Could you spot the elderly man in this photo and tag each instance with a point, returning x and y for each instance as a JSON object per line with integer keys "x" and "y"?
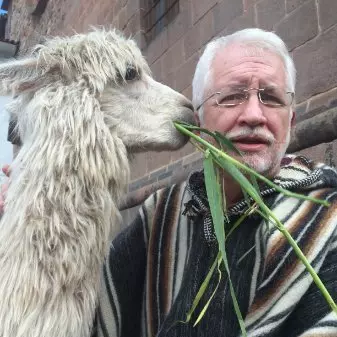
{"x": 244, "y": 88}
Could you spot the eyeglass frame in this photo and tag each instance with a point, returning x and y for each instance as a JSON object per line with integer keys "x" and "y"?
{"x": 246, "y": 98}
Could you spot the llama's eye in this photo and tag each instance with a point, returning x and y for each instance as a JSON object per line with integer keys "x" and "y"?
{"x": 131, "y": 74}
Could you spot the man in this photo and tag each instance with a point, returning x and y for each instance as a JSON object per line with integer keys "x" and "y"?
{"x": 244, "y": 88}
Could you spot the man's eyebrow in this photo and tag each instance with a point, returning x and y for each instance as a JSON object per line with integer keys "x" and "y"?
{"x": 238, "y": 81}
{"x": 238, "y": 84}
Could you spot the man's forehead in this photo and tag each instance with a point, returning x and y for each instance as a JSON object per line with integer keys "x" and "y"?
{"x": 267, "y": 81}
{"x": 237, "y": 51}
{"x": 228, "y": 61}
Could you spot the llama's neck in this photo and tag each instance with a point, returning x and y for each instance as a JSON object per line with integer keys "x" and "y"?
{"x": 55, "y": 233}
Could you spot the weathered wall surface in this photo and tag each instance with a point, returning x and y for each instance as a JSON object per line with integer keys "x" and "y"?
{"x": 309, "y": 27}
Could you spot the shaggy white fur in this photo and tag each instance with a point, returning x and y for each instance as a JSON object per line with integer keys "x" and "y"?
{"x": 82, "y": 103}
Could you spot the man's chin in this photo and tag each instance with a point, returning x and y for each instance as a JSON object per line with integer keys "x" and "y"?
{"x": 257, "y": 162}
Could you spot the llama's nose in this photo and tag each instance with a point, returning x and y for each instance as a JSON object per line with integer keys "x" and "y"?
{"x": 188, "y": 104}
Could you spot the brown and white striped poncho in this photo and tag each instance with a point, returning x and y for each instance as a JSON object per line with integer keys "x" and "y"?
{"x": 156, "y": 266}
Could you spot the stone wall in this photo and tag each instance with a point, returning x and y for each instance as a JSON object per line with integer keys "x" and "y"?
{"x": 309, "y": 27}
{"x": 64, "y": 17}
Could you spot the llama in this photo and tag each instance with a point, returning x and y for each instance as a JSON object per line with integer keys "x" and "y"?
{"x": 83, "y": 104}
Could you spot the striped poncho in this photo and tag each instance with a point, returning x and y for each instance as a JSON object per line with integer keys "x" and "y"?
{"x": 156, "y": 266}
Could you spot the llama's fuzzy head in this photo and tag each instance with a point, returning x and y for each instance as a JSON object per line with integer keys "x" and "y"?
{"x": 108, "y": 73}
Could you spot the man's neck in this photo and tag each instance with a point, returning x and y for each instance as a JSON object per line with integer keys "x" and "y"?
{"x": 232, "y": 190}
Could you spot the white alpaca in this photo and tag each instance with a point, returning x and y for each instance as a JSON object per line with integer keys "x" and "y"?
{"x": 83, "y": 104}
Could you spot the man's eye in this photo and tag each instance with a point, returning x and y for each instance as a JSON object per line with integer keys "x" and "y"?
{"x": 271, "y": 98}
{"x": 131, "y": 74}
{"x": 231, "y": 98}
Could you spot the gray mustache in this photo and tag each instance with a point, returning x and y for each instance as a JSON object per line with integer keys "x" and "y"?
{"x": 249, "y": 132}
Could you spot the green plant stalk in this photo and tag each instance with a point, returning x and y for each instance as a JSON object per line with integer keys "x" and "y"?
{"x": 265, "y": 209}
{"x": 302, "y": 257}
{"x": 215, "y": 201}
{"x": 246, "y": 168}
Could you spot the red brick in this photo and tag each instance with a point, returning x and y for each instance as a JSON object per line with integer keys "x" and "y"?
{"x": 224, "y": 12}
{"x": 269, "y": 13}
{"x": 317, "y": 65}
{"x": 206, "y": 28}
{"x": 200, "y": 8}
{"x": 180, "y": 25}
{"x": 192, "y": 157}
{"x": 138, "y": 166}
{"x": 115, "y": 22}
{"x": 325, "y": 153}
{"x": 186, "y": 150}
{"x": 109, "y": 15}
{"x": 322, "y": 102}
{"x": 192, "y": 41}
{"x": 316, "y": 153}
{"x": 247, "y": 20}
{"x": 155, "y": 160}
{"x": 170, "y": 80}
{"x": 133, "y": 25}
{"x": 188, "y": 92}
{"x": 122, "y": 20}
{"x": 327, "y": 10}
{"x": 156, "y": 69}
{"x": 185, "y": 73}
{"x": 140, "y": 39}
{"x": 119, "y": 5}
{"x": 299, "y": 26}
{"x": 132, "y": 7}
{"x": 300, "y": 111}
{"x": 323, "y": 126}
{"x": 157, "y": 47}
{"x": 293, "y": 4}
{"x": 173, "y": 57}
{"x": 199, "y": 35}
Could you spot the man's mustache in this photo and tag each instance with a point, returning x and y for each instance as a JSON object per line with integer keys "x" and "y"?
{"x": 259, "y": 133}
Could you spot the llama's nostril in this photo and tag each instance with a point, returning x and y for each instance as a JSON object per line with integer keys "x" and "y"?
{"x": 188, "y": 105}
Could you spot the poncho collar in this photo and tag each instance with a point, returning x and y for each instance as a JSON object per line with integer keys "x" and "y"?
{"x": 297, "y": 174}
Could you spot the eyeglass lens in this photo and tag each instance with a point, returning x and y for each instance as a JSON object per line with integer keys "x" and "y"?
{"x": 268, "y": 96}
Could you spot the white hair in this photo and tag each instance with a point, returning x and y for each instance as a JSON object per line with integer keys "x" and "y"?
{"x": 83, "y": 103}
{"x": 251, "y": 36}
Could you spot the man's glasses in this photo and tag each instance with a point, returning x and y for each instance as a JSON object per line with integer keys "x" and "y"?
{"x": 272, "y": 97}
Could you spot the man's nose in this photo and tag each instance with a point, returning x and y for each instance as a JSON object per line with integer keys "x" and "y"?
{"x": 252, "y": 113}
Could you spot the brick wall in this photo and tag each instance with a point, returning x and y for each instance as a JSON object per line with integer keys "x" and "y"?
{"x": 64, "y": 17}
{"x": 309, "y": 27}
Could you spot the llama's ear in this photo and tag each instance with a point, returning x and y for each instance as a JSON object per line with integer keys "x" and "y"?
{"x": 20, "y": 75}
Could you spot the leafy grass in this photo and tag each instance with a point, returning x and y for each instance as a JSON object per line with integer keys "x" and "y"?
{"x": 215, "y": 160}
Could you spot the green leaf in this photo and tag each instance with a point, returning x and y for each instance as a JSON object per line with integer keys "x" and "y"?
{"x": 214, "y": 198}
{"x": 220, "y": 138}
{"x": 240, "y": 220}
{"x": 202, "y": 289}
{"x": 233, "y": 167}
{"x": 203, "y": 311}
{"x": 225, "y": 156}
{"x": 238, "y": 177}
{"x": 235, "y": 302}
{"x": 228, "y": 143}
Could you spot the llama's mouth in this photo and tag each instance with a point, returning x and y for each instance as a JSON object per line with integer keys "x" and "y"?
{"x": 187, "y": 117}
